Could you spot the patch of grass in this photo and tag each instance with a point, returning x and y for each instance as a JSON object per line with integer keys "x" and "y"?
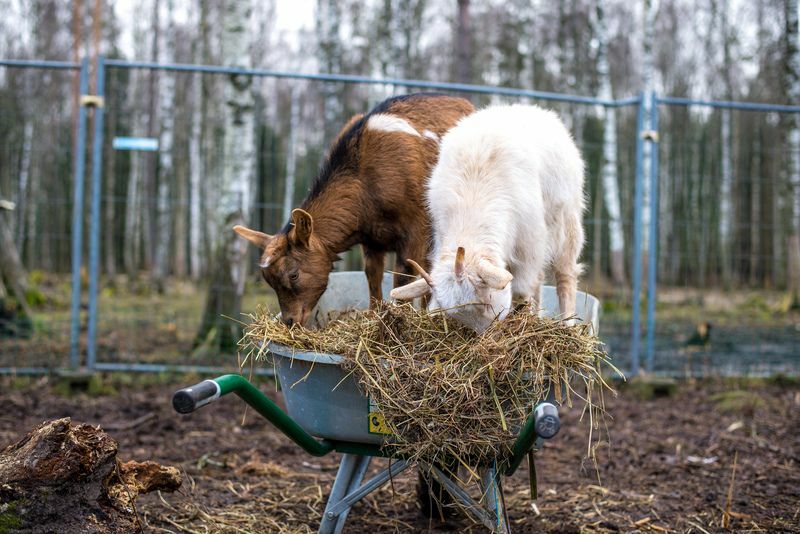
{"x": 738, "y": 402}
{"x": 650, "y": 387}
{"x": 784, "y": 381}
{"x": 10, "y": 521}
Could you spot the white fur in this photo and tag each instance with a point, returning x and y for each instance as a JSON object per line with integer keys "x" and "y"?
{"x": 430, "y": 135}
{"x": 384, "y": 122}
{"x": 508, "y": 188}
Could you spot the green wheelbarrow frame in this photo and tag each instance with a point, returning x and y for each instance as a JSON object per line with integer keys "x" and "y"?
{"x": 348, "y": 290}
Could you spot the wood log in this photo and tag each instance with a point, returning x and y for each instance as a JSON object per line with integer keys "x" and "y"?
{"x": 65, "y": 477}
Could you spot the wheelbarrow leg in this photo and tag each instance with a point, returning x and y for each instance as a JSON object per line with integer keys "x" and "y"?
{"x": 339, "y": 502}
{"x": 351, "y": 472}
{"x": 493, "y": 500}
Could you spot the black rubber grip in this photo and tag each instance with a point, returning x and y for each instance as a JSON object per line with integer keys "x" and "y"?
{"x": 547, "y": 423}
{"x": 189, "y": 399}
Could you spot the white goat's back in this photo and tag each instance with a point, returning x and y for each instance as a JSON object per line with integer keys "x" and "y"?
{"x": 507, "y": 175}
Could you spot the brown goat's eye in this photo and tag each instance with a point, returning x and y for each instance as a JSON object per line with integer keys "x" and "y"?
{"x": 294, "y": 276}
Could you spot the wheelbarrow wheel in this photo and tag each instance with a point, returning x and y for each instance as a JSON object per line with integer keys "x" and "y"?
{"x": 435, "y": 502}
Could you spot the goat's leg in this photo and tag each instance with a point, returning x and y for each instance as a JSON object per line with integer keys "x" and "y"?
{"x": 373, "y": 268}
{"x": 567, "y": 269}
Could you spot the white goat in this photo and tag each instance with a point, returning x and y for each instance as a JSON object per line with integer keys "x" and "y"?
{"x": 506, "y": 200}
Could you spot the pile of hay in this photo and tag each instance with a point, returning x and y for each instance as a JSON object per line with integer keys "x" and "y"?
{"x": 442, "y": 388}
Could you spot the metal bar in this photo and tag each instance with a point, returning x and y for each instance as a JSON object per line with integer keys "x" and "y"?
{"x": 524, "y": 442}
{"x": 652, "y": 262}
{"x": 77, "y": 221}
{"x": 264, "y": 406}
{"x": 94, "y": 234}
{"x": 493, "y": 497}
{"x": 167, "y": 368}
{"x": 459, "y": 493}
{"x": 355, "y": 483}
{"x": 27, "y": 371}
{"x": 727, "y": 104}
{"x": 340, "y": 484}
{"x": 40, "y": 64}
{"x": 637, "y": 243}
{"x": 362, "y": 449}
{"x": 369, "y": 486}
{"x": 345, "y": 78}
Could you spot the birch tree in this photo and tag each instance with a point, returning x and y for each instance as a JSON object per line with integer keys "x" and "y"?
{"x": 234, "y": 202}
{"x": 463, "y": 52}
{"x": 291, "y": 153}
{"x": 329, "y": 16}
{"x": 792, "y": 74}
{"x": 195, "y": 156}
{"x": 134, "y": 214}
{"x": 647, "y": 153}
{"x": 166, "y": 168}
{"x": 609, "y": 171}
{"x": 726, "y": 200}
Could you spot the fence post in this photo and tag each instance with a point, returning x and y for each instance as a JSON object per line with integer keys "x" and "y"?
{"x": 652, "y": 262}
{"x": 77, "y": 219}
{"x": 94, "y": 237}
{"x": 637, "y": 241}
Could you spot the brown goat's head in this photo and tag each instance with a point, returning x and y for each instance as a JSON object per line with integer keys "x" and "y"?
{"x": 295, "y": 264}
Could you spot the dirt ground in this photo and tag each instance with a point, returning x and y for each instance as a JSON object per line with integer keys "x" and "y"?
{"x": 661, "y": 464}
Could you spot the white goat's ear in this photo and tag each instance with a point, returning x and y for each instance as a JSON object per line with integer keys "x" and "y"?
{"x": 494, "y": 276}
{"x": 415, "y": 289}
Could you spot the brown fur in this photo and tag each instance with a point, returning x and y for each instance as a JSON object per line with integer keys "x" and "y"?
{"x": 370, "y": 192}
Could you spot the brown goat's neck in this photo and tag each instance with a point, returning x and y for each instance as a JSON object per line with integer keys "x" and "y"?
{"x": 339, "y": 214}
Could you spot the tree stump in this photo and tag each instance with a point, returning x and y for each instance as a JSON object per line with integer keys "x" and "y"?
{"x": 64, "y": 477}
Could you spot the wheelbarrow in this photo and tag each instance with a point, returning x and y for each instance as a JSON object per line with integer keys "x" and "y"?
{"x": 326, "y": 412}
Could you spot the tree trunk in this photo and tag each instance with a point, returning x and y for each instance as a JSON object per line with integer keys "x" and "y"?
{"x": 726, "y": 194}
{"x": 792, "y": 74}
{"x": 647, "y": 153}
{"x": 149, "y": 160}
{"x": 12, "y": 273}
{"x": 329, "y": 15}
{"x": 464, "y": 44}
{"x": 195, "y": 175}
{"x": 234, "y": 203}
{"x": 291, "y": 154}
{"x": 24, "y": 173}
{"x": 166, "y": 167}
{"x": 67, "y": 478}
{"x": 725, "y": 204}
{"x": 609, "y": 172}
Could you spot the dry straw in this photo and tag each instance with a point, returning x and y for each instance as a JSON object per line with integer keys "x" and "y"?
{"x": 443, "y": 389}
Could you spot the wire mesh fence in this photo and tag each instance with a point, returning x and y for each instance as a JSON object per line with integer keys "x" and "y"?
{"x": 725, "y": 218}
{"x": 161, "y": 158}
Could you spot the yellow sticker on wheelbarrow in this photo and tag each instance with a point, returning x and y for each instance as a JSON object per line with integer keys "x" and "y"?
{"x": 377, "y": 424}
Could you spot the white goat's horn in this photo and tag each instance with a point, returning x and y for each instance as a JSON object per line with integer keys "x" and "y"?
{"x": 494, "y": 277}
{"x": 459, "y": 269}
{"x": 425, "y": 276}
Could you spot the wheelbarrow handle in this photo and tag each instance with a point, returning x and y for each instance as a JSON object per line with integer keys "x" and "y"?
{"x": 189, "y": 399}
{"x": 543, "y": 423}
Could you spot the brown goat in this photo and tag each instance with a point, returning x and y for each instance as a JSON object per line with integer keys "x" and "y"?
{"x": 369, "y": 191}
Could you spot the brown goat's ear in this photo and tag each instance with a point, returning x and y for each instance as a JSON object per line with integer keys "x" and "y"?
{"x": 303, "y": 226}
{"x": 257, "y": 238}
{"x": 415, "y": 289}
{"x": 494, "y": 276}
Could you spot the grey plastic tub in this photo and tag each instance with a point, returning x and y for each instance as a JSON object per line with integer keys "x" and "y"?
{"x": 323, "y": 399}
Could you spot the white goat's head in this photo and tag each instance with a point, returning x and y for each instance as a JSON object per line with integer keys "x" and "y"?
{"x": 473, "y": 290}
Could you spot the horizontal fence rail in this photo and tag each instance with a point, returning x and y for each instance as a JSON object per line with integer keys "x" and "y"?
{"x": 345, "y": 78}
